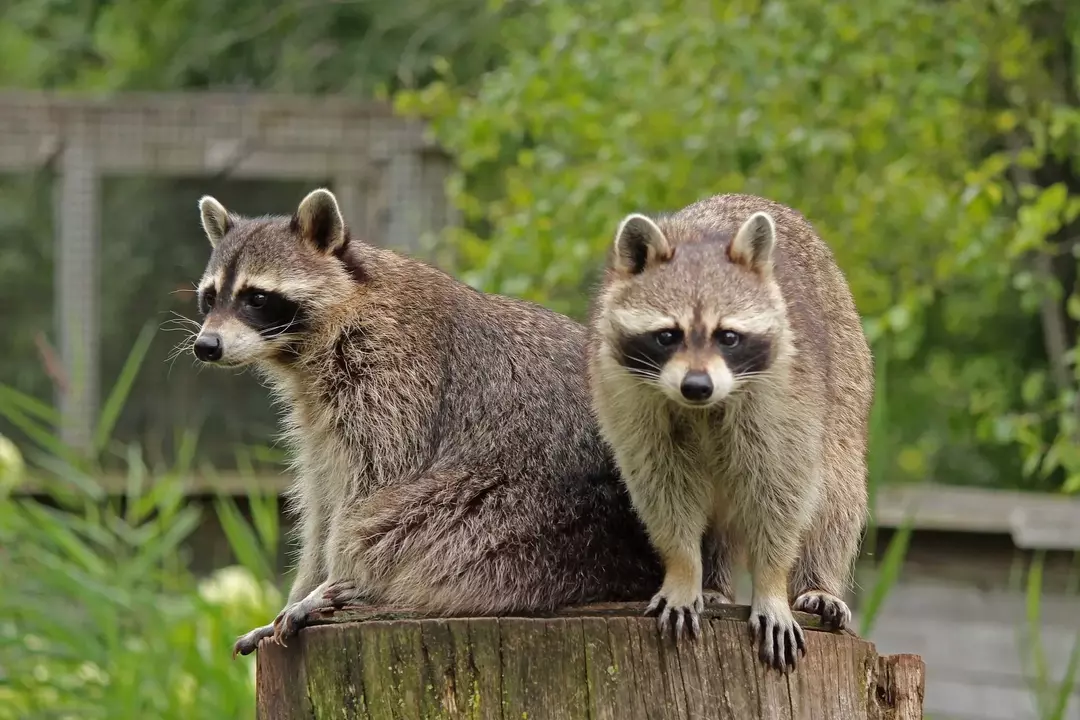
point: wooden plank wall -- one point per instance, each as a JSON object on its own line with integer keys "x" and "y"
{"x": 970, "y": 639}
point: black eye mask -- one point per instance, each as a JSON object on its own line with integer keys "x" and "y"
{"x": 269, "y": 313}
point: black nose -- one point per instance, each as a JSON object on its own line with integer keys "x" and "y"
{"x": 696, "y": 386}
{"x": 208, "y": 347}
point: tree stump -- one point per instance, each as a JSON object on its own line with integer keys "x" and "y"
{"x": 596, "y": 662}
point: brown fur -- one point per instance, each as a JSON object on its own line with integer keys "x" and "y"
{"x": 446, "y": 457}
{"x": 773, "y": 464}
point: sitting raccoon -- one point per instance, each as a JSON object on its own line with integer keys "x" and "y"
{"x": 731, "y": 377}
{"x": 447, "y": 460}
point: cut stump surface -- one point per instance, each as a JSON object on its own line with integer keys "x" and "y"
{"x": 596, "y": 662}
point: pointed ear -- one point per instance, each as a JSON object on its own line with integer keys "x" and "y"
{"x": 639, "y": 243}
{"x": 215, "y": 219}
{"x": 753, "y": 245}
{"x": 319, "y": 221}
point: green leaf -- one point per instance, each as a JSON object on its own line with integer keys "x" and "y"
{"x": 888, "y": 572}
{"x": 114, "y": 404}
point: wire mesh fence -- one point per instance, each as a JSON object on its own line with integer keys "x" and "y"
{"x": 100, "y": 236}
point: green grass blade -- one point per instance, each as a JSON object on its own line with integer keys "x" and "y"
{"x": 1068, "y": 682}
{"x": 877, "y": 451}
{"x": 59, "y": 534}
{"x": 41, "y": 436}
{"x": 114, "y": 404}
{"x": 1033, "y": 615}
{"x": 264, "y": 515}
{"x": 888, "y": 572}
{"x": 242, "y": 539}
{"x": 136, "y": 477}
{"x": 29, "y": 405}
{"x": 166, "y": 542}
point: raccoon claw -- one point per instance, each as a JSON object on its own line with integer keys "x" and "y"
{"x": 326, "y": 598}
{"x": 834, "y": 612}
{"x": 672, "y": 618}
{"x": 288, "y": 623}
{"x": 249, "y": 642}
{"x": 779, "y": 638}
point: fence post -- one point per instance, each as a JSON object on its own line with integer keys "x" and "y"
{"x": 76, "y": 207}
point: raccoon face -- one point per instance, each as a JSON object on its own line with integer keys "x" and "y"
{"x": 268, "y": 279}
{"x": 692, "y": 312}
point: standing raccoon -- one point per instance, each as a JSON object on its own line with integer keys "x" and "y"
{"x": 731, "y": 376}
{"x": 447, "y": 459}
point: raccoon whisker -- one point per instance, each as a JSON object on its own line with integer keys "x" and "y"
{"x": 183, "y": 346}
{"x": 184, "y": 317}
{"x": 645, "y": 361}
{"x": 643, "y": 377}
{"x": 283, "y": 328}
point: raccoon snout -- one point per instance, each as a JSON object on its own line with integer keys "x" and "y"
{"x": 696, "y": 386}
{"x": 208, "y": 347}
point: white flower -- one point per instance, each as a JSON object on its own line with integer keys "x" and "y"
{"x": 234, "y": 586}
{"x": 11, "y": 466}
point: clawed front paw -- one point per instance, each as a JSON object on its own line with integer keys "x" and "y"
{"x": 249, "y": 642}
{"x": 289, "y": 621}
{"x": 677, "y": 608}
{"x": 779, "y": 638}
{"x": 326, "y": 598}
{"x": 834, "y": 612}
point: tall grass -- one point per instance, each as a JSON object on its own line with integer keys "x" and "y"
{"x": 885, "y": 572}
{"x": 100, "y": 616}
{"x": 1050, "y": 695}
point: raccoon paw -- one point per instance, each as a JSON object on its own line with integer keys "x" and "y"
{"x": 288, "y": 622}
{"x": 834, "y": 612}
{"x": 326, "y": 598}
{"x": 678, "y": 608}
{"x": 779, "y": 638}
{"x": 249, "y": 642}
{"x": 342, "y": 593}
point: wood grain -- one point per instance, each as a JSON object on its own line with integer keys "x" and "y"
{"x": 600, "y": 662}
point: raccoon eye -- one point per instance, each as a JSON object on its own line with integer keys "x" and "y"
{"x": 257, "y": 300}
{"x": 207, "y": 301}
{"x": 666, "y": 338}
{"x": 728, "y": 338}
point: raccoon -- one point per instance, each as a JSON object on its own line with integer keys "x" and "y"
{"x": 732, "y": 379}
{"x": 446, "y": 457}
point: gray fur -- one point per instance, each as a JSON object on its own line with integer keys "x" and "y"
{"x": 774, "y": 464}
{"x": 446, "y": 457}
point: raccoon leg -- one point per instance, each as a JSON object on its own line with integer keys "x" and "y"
{"x": 772, "y": 555}
{"x": 341, "y": 586}
{"x": 675, "y": 521}
{"x": 823, "y": 572}
{"x": 310, "y": 571}
{"x": 718, "y": 558}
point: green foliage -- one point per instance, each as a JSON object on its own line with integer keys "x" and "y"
{"x": 360, "y": 47}
{"x": 888, "y": 124}
{"x": 101, "y": 616}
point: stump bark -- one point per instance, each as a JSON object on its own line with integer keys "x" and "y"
{"x": 597, "y": 662}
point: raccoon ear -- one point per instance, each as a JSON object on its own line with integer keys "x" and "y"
{"x": 319, "y": 221}
{"x": 639, "y": 242}
{"x": 753, "y": 244}
{"x": 215, "y": 219}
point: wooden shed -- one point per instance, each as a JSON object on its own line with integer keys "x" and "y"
{"x": 961, "y": 600}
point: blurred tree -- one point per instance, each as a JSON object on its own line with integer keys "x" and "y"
{"x": 932, "y": 144}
